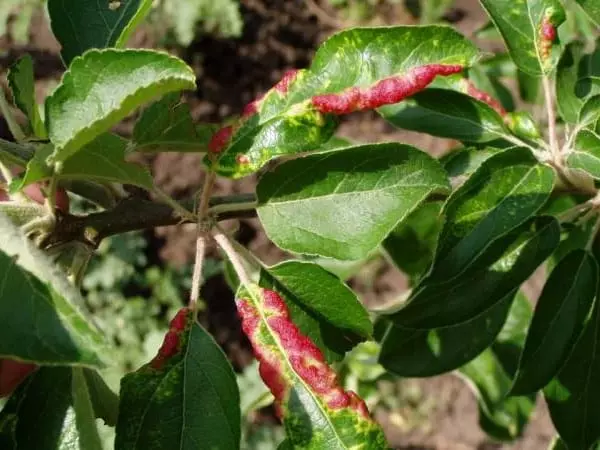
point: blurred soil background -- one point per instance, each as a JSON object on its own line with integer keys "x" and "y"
{"x": 439, "y": 413}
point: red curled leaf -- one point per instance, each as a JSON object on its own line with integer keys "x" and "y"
{"x": 12, "y": 373}
{"x": 170, "y": 345}
{"x": 483, "y": 96}
{"x": 220, "y": 139}
{"x": 316, "y": 411}
{"x": 385, "y": 92}
{"x": 288, "y": 78}
{"x": 547, "y": 36}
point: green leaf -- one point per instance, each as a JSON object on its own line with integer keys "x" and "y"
{"x": 167, "y": 125}
{"x": 592, "y": 8}
{"x": 434, "y": 305}
{"x": 104, "y": 401}
{"x": 102, "y": 87}
{"x": 342, "y": 204}
{"x": 22, "y": 84}
{"x": 449, "y": 114}
{"x": 40, "y": 308}
{"x": 461, "y": 163}
{"x": 574, "y": 80}
{"x": 83, "y": 25}
{"x": 85, "y": 418}
{"x": 485, "y": 82}
{"x": 490, "y": 374}
{"x": 39, "y": 415}
{"x": 187, "y": 397}
{"x": 586, "y": 153}
{"x": 316, "y": 412}
{"x": 101, "y": 160}
{"x": 529, "y": 87}
{"x": 411, "y": 245}
{"x": 503, "y": 193}
{"x": 572, "y": 397}
{"x": 520, "y": 24}
{"x": 559, "y": 317}
{"x": 320, "y": 305}
{"x": 286, "y": 120}
{"x": 411, "y": 352}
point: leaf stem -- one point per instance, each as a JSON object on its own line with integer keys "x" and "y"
{"x": 182, "y": 212}
{"x": 229, "y": 207}
{"x": 202, "y": 229}
{"x": 551, "y": 113}
{"x": 13, "y": 126}
{"x": 593, "y": 234}
{"x": 225, "y": 243}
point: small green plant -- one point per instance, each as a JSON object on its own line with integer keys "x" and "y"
{"x": 520, "y": 192}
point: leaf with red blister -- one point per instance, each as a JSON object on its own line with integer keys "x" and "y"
{"x": 317, "y": 413}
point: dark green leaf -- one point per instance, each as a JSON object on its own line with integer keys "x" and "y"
{"x": 190, "y": 401}
{"x": 586, "y": 153}
{"x": 104, "y": 86}
{"x": 446, "y": 113}
{"x": 82, "y": 25}
{"x": 520, "y": 24}
{"x": 343, "y": 203}
{"x": 559, "y": 317}
{"x": 320, "y": 305}
{"x": 506, "y": 190}
{"x": 529, "y": 87}
{"x": 574, "y": 76}
{"x": 287, "y": 123}
{"x": 491, "y": 375}
{"x": 434, "y": 305}
{"x": 101, "y": 160}
{"x": 573, "y": 398}
{"x": 483, "y": 81}
{"x": 590, "y": 112}
{"x": 167, "y": 125}
{"x": 410, "y": 352}
{"x": 411, "y": 245}
{"x": 22, "y": 84}
{"x": 39, "y": 415}
{"x": 40, "y": 308}
{"x": 104, "y": 401}
{"x": 461, "y": 163}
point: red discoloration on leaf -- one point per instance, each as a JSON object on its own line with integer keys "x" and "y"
{"x": 242, "y": 159}
{"x": 170, "y": 345}
{"x": 385, "y": 92}
{"x": 220, "y": 139}
{"x": 250, "y": 109}
{"x": 547, "y": 37}
{"x": 283, "y": 86}
{"x": 304, "y": 357}
{"x": 483, "y": 97}
{"x": 12, "y": 373}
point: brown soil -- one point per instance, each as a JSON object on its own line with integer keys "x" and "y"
{"x": 278, "y": 35}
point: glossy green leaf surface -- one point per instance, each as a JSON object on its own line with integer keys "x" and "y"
{"x": 342, "y": 204}
{"x": 102, "y": 160}
{"x": 586, "y": 153}
{"x": 575, "y": 73}
{"x": 559, "y": 317}
{"x": 39, "y": 415}
{"x": 286, "y": 122}
{"x": 321, "y": 306}
{"x": 461, "y": 163}
{"x": 411, "y": 245}
{"x": 503, "y": 193}
{"x": 83, "y": 25}
{"x": 449, "y": 114}
{"x": 167, "y": 125}
{"x": 22, "y": 84}
{"x": 490, "y": 375}
{"x": 185, "y": 399}
{"x": 102, "y": 87}
{"x": 592, "y": 8}
{"x": 520, "y": 23}
{"x": 434, "y": 305}
{"x": 316, "y": 412}
{"x": 573, "y": 396}
{"x": 411, "y": 352}
{"x": 40, "y": 308}
{"x": 104, "y": 401}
